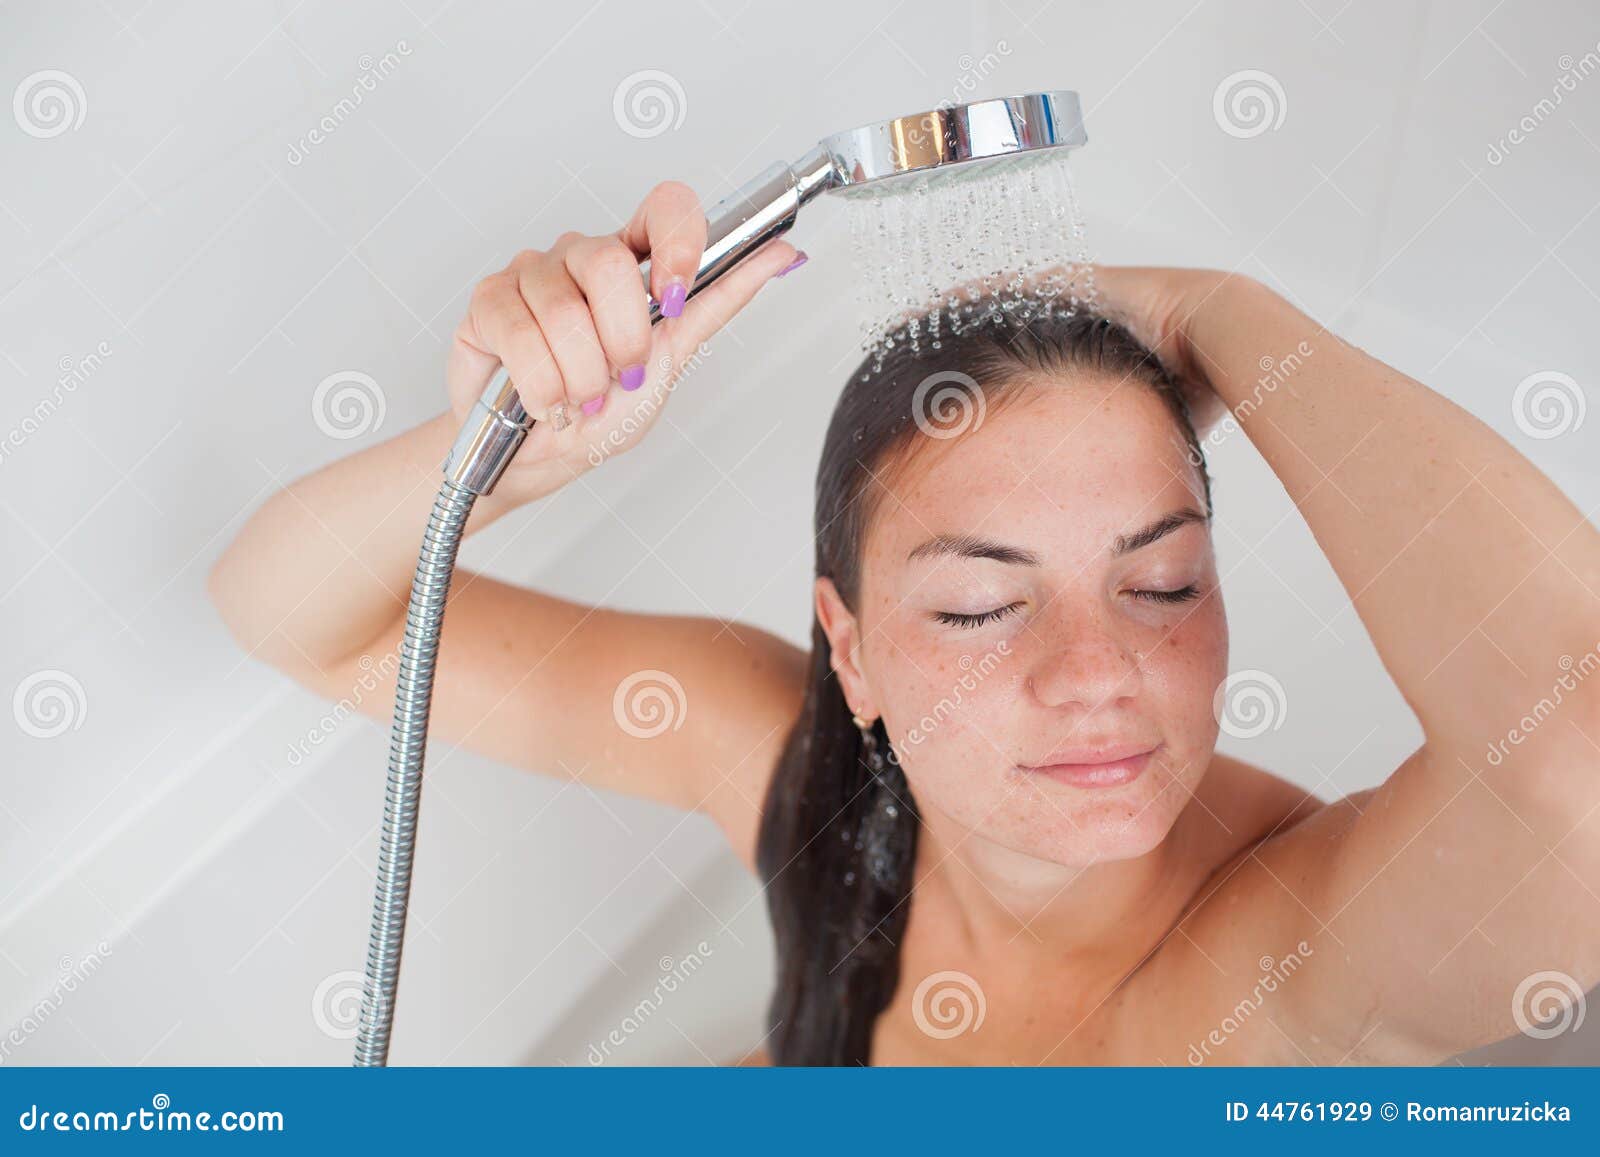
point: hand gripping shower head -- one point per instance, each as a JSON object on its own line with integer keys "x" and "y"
{"x": 886, "y": 158}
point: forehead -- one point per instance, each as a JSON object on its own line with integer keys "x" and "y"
{"x": 1085, "y": 457}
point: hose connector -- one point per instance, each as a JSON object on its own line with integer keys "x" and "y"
{"x": 489, "y": 438}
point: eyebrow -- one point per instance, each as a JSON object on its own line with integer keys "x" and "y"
{"x": 972, "y": 546}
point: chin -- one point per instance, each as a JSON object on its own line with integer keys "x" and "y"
{"x": 1079, "y": 827}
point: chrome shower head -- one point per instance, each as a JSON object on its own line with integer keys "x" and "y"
{"x": 883, "y": 158}
{"x": 874, "y": 156}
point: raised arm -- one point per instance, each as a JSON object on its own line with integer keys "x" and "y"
{"x": 688, "y": 711}
{"x": 1476, "y": 865}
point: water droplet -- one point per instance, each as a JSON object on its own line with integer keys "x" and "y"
{"x": 968, "y": 246}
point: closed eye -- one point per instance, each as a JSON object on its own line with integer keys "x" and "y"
{"x": 1181, "y": 595}
{"x": 956, "y": 619}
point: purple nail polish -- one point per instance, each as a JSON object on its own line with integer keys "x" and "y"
{"x": 632, "y": 377}
{"x": 800, "y": 259}
{"x": 672, "y": 300}
{"x": 594, "y": 405}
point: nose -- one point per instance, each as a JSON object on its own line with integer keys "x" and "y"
{"x": 1083, "y": 662}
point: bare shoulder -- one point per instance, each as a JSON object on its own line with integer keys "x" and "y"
{"x": 1241, "y": 931}
{"x": 1248, "y": 805}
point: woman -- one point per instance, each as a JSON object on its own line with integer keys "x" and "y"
{"x": 997, "y": 764}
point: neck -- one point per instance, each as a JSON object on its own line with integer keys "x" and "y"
{"x": 1010, "y": 905}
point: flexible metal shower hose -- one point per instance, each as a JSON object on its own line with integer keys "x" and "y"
{"x": 408, "y": 741}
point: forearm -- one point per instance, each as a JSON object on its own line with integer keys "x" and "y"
{"x": 1473, "y": 573}
{"x": 326, "y": 564}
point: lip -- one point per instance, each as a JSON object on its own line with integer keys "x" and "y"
{"x": 1111, "y": 765}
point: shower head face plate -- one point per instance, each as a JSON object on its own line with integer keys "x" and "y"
{"x": 876, "y": 158}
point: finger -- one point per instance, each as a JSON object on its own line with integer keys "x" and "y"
{"x": 607, "y": 273}
{"x": 669, "y": 227}
{"x": 720, "y": 302}
{"x": 503, "y": 325}
{"x": 568, "y": 328}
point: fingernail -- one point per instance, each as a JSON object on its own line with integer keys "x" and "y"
{"x": 672, "y": 300}
{"x": 558, "y": 417}
{"x": 594, "y": 405}
{"x": 800, "y": 259}
{"x": 632, "y": 377}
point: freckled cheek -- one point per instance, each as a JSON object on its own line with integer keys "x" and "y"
{"x": 943, "y": 717}
{"x": 1184, "y": 671}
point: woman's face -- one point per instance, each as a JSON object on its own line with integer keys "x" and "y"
{"x": 1039, "y": 623}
